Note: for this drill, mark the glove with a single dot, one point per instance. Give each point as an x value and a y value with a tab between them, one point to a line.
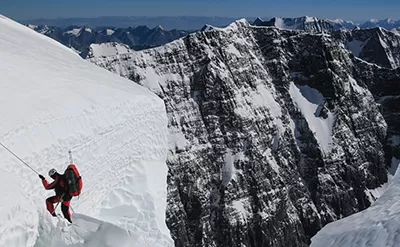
41	177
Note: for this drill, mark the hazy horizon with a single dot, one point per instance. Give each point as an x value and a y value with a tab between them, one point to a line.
355	10
194	16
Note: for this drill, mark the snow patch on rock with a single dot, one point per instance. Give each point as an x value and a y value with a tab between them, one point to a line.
309	101
108	49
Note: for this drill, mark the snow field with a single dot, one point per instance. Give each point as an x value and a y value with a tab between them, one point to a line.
18	216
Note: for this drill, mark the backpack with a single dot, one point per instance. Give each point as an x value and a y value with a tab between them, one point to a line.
74	180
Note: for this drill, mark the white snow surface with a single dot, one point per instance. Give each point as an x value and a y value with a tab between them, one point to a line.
108	49
31	26
310	19
340	21
377	225
279	23
51	101
110	32
74	31
228	171
309	101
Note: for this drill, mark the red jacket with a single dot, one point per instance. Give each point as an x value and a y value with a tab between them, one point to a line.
59	185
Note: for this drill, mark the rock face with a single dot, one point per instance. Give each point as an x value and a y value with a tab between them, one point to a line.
375	45
273	133
80	37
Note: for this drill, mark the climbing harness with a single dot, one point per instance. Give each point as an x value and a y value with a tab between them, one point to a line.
61	200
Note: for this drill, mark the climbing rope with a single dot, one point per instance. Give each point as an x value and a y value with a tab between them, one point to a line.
19	158
101	135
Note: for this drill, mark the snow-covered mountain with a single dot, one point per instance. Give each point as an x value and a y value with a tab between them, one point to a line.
318	25
80	38
305	23
321	25
52	101
273	133
308	24
339	24
386	23
168	22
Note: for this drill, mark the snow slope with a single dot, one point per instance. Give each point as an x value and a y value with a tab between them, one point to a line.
309	101
52	101
378	225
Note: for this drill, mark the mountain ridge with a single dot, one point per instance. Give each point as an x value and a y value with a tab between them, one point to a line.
81	37
169	22
337	24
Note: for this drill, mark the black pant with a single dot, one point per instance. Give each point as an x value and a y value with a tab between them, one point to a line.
64	206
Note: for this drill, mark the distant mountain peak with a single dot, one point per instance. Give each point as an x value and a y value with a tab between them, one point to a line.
79	38
388	20
159	27
341	21
310	19
142	28
206	28
305	23
87	29
258	21
387	23
242	20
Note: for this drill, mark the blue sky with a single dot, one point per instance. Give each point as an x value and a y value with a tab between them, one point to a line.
346	9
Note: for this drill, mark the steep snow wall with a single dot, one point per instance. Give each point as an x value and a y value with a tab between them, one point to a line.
52	101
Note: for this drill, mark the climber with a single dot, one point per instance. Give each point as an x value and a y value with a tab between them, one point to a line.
60	187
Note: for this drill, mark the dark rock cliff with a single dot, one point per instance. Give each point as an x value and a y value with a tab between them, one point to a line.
273	133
